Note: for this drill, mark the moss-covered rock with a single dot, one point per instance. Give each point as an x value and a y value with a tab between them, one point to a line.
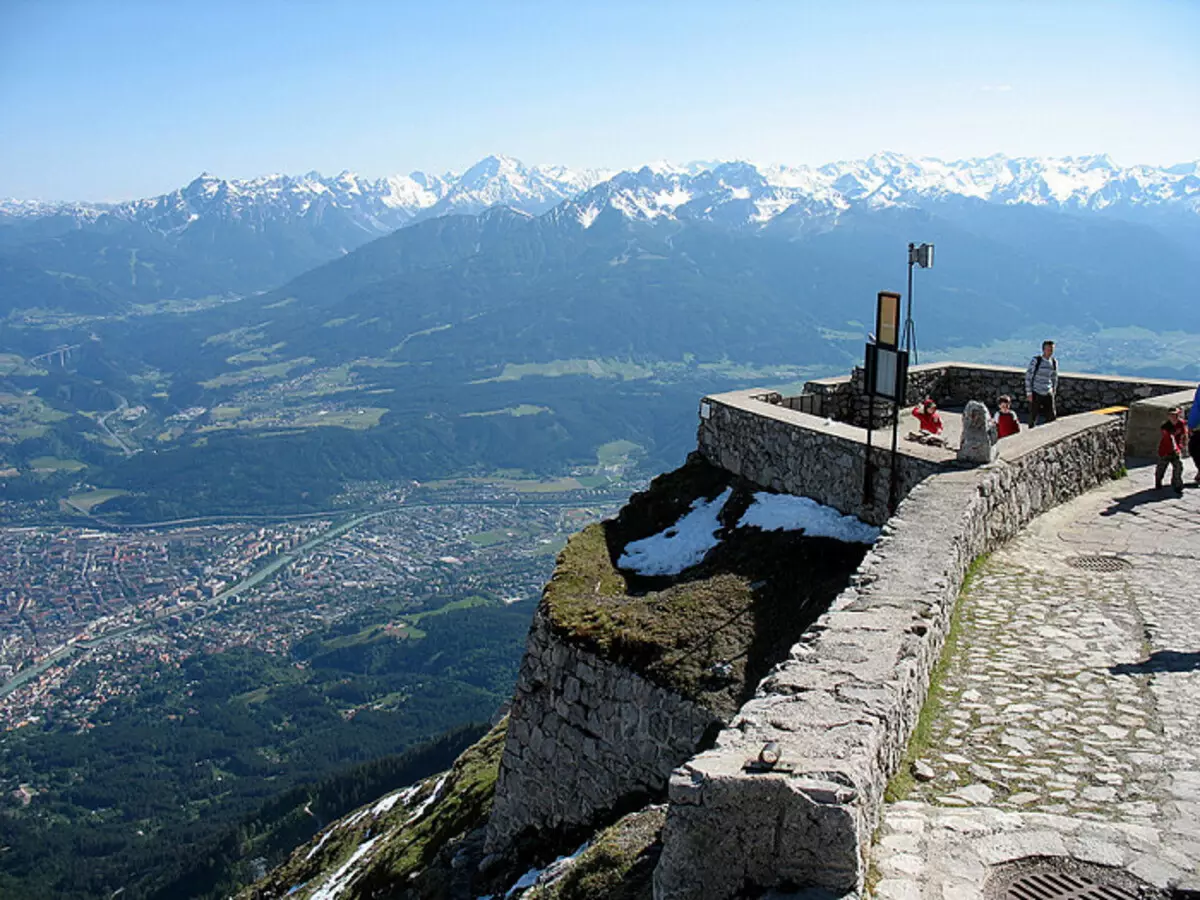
402	845
711	632
619	864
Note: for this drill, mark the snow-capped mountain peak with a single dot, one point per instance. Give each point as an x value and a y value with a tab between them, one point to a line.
736	194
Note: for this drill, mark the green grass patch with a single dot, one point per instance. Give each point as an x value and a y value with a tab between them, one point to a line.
358	419
370	362
552	547
592	481
14	364
416	334
497	536
523	409
254	697
616	453
373	634
89	500
465	603
246	337
253	374
595	368
257	355
902	782
55	464
220	414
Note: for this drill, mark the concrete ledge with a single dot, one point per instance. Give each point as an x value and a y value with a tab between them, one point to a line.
843	707
1145	418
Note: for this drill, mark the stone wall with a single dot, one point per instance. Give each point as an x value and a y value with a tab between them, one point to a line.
779	448
1145	423
843	706
954	383
585	737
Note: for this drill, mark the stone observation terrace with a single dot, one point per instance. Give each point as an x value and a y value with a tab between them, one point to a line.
815	444
793	790
772	696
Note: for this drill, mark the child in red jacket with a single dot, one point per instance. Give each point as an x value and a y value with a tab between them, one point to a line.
930	424
1171	446
1005	419
926	413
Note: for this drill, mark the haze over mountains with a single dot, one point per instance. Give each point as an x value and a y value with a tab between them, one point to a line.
518	317
217	236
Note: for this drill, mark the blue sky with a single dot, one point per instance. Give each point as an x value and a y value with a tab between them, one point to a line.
111	99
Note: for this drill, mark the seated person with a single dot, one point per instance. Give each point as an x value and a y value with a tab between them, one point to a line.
927	417
926	413
1005	419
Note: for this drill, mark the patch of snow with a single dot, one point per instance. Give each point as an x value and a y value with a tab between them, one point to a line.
433	797
680	546
391	800
672	199
313	852
632	205
340	879
786	512
541	877
588	216
361	814
529	879
768	208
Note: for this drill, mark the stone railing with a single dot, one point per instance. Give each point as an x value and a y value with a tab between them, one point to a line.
954	383
841	710
586	739
797	453
1145	422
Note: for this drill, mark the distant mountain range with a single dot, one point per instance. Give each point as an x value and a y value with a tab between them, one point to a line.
760	193
604	304
222	237
377	206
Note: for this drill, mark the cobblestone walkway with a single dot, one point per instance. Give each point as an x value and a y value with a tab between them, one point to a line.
1069	723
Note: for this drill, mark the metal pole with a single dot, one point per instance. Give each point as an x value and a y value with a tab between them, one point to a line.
908	321
892	474
868	467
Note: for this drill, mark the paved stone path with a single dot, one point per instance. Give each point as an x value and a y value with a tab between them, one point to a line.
1069	723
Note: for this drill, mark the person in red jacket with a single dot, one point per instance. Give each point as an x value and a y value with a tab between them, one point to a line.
1171	446
927	415
1005	419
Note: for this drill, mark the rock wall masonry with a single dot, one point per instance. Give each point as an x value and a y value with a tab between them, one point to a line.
585	737
954	383
843	706
796	453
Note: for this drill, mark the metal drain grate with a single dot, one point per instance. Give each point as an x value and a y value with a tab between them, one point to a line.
1099	563
1064	886
1056	878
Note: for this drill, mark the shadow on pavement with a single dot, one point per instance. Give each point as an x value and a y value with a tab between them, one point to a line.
1130	502
1160	661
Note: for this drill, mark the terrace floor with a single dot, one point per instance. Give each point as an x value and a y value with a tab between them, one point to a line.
1067	719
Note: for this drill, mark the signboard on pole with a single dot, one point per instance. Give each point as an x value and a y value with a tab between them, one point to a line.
887	372
887	320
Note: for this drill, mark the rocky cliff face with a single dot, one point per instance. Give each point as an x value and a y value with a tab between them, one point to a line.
625	677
